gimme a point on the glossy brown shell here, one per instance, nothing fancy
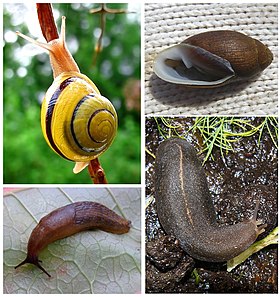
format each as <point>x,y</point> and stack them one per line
<point>247,55</point>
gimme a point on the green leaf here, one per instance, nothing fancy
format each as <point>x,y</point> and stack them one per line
<point>87,262</point>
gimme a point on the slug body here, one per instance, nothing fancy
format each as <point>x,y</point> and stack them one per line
<point>71,219</point>
<point>186,211</point>
<point>77,122</point>
<point>212,59</point>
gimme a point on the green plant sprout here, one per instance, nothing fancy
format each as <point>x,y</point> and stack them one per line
<point>196,276</point>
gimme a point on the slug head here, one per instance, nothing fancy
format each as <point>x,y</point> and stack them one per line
<point>35,261</point>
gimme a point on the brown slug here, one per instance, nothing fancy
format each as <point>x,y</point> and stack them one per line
<point>71,219</point>
<point>186,211</point>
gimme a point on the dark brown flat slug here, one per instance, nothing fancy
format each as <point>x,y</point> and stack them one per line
<point>186,211</point>
<point>69,220</point>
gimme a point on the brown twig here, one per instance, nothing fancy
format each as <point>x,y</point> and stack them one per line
<point>46,20</point>
<point>96,172</point>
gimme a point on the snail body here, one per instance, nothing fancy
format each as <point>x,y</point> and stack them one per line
<point>212,59</point>
<point>185,209</point>
<point>78,123</point>
<point>68,220</point>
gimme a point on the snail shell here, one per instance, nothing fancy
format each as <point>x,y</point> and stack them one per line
<point>211,59</point>
<point>82,128</point>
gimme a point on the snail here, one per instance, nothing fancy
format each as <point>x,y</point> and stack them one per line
<point>212,59</point>
<point>78,123</point>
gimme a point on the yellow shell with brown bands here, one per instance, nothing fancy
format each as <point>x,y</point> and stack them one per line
<point>77,122</point>
<point>212,58</point>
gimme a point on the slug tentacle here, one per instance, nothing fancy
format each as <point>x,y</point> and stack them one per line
<point>35,261</point>
<point>259,224</point>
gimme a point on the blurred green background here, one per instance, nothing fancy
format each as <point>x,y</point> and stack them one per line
<point>27,75</point>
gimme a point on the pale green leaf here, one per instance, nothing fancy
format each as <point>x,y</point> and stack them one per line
<point>87,262</point>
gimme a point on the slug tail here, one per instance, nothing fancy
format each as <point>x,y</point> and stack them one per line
<point>34,262</point>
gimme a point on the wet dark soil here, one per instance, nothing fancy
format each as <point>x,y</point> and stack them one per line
<point>236,181</point>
